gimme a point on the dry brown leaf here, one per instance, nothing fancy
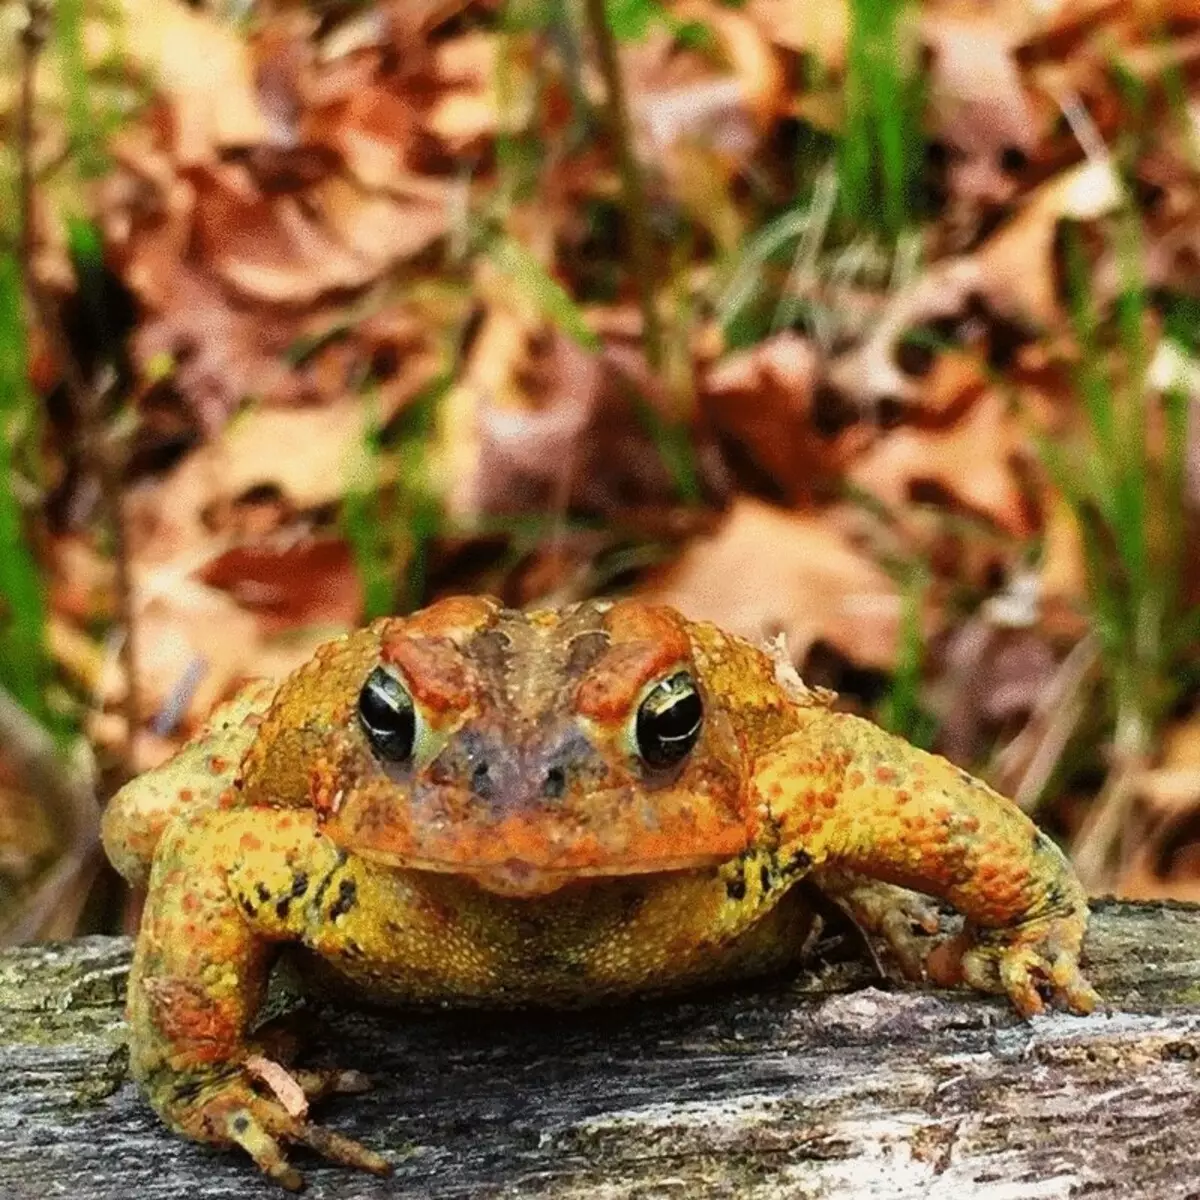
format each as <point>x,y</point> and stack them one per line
<point>146,210</point>
<point>307,457</point>
<point>989,678</point>
<point>382,230</point>
<point>470,111</point>
<point>216,353</point>
<point>762,398</point>
<point>968,466</point>
<point>194,644</point>
<point>281,1084</point>
<point>768,571</point>
<point>511,430</point>
<point>1017,264</point>
<point>312,581</point>
<point>373,131</point>
<point>725,112</point>
<point>1013,273</point>
<point>292,250</point>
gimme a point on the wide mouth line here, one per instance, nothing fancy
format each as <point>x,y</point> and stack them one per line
<point>515,865</point>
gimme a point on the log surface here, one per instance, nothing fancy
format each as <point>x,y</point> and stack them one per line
<point>820,1086</point>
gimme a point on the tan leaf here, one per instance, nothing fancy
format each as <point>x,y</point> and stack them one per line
<point>308,457</point>
<point>216,352</point>
<point>686,107</point>
<point>818,29</point>
<point>194,643</point>
<point>470,111</point>
<point>373,133</point>
<point>768,571</point>
<point>1017,264</point>
<point>511,430</point>
<point>206,71</point>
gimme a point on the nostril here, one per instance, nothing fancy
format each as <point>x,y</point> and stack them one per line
<point>481,780</point>
<point>555,783</point>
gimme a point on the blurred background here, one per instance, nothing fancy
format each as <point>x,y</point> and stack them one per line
<point>869,323</point>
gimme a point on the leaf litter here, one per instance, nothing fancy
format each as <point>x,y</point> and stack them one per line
<point>387,343</point>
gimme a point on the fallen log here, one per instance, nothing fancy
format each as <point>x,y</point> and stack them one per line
<point>824,1085</point>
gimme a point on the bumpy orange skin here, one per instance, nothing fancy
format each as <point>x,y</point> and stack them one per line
<point>527,855</point>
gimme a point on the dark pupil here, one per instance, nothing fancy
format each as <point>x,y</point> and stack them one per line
<point>668,723</point>
<point>385,710</point>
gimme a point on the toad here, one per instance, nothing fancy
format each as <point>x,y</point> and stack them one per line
<point>473,805</point>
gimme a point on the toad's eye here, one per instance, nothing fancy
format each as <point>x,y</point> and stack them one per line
<point>385,711</point>
<point>668,721</point>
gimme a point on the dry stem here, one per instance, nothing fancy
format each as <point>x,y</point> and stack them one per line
<point>636,208</point>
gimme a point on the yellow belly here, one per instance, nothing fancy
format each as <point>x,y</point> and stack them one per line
<point>425,938</point>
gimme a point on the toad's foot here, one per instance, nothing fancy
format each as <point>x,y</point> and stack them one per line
<point>902,919</point>
<point>263,1107</point>
<point>1030,963</point>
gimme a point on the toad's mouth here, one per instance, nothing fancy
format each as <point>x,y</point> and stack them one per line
<point>519,878</point>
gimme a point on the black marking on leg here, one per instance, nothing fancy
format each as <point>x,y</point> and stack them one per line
<point>798,860</point>
<point>299,884</point>
<point>735,889</point>
<point>263,892</point>
<point>764,877</point>
<point>187,1091</point>
<point>347,897</point>
<point>248,906</point>
<point>241,1123</point>
<point>324,884</point>
<point>283,907</point>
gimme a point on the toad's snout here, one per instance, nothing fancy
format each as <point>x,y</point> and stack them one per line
<point>507,776</point>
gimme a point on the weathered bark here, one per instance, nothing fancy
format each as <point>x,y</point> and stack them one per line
<point>799,1089</point>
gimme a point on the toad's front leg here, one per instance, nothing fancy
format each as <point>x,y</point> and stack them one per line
<point>200,969</point>
<point>842,792</point>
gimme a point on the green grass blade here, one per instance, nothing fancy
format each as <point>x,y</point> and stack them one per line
<point>551,298</point>
<point>23,662</point>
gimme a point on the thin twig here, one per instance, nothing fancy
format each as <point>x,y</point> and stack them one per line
<point>1100,847</point>
<point>33,38</point>
<point>1022,768</point>
<point>87,397</point>
<point>636,209</point>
